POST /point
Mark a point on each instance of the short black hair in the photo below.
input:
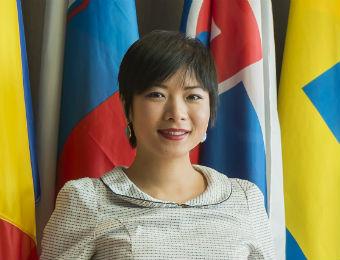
(156, 57)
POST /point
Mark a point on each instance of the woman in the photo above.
(162, 206)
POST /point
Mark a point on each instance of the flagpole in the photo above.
(49, 106)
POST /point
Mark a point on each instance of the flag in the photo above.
(309, 109)
(245, 142)
(18, 169)
(91, 133)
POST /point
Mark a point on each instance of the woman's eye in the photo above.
(194, 97)
(155, 95)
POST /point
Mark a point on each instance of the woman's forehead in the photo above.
(182, 78)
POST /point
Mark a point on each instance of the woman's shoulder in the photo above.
(90, 184)
(82, 185)
(79, 192)
(243, 184)
(94, 188)
(239, 187)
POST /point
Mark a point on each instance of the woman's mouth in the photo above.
(174, 134)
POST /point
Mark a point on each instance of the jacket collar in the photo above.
(218, 189)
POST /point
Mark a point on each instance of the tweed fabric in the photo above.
(111, 218)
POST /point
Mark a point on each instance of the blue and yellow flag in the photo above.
(17, 160)
(309, 107)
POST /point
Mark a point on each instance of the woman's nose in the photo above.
(176, 109)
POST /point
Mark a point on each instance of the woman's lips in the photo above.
(173, 134)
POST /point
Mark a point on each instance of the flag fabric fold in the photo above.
(245, 142)
(309, 109)
(18, 168)
(92, 122)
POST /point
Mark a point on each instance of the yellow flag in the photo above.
(17, 212)
(309, 111)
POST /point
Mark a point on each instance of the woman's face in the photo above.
(171, 118)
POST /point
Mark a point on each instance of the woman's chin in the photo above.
(174, 152)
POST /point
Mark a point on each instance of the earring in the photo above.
(204, 137)
(128, 131)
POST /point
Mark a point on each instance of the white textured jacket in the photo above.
(111, 218)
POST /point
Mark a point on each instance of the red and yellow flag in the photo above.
(17, 206)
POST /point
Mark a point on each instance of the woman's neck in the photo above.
(172, 179)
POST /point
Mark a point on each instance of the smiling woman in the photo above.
(156, 58)
(162, 206)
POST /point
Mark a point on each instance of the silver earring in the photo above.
(204, 137)
(128, 131)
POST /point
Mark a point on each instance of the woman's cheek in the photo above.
(202, 116)
(150, 110)
(145, 110)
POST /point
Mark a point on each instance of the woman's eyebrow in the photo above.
(160, 86)
(184, 87)
(192, 87)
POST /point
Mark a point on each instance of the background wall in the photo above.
(152, 14)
